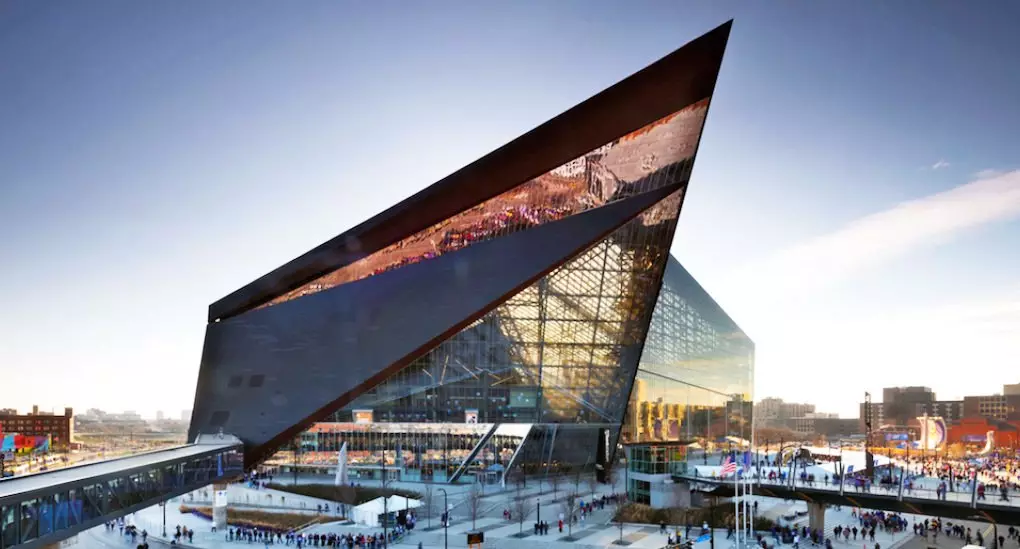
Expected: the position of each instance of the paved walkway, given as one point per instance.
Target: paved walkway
(596, 531)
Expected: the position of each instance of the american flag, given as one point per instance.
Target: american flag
(729, 466)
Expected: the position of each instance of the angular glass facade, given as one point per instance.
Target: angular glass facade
(494, 323)
(538, 385)
(695, 378)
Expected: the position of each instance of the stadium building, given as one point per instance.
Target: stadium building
(522, 315)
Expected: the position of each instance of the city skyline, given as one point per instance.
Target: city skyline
(156, 158)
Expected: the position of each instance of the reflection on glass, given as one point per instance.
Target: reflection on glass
(611, 172)
(694, 379)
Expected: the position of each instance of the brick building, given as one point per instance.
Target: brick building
(60, 429)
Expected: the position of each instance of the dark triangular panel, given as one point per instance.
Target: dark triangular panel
(269, 373)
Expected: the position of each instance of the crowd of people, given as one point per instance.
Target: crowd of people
(996, 476)
(349, 540)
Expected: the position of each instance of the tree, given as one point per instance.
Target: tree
(521, 506)
(430, 502)
(593, 486)
(556, 481)
(474, 503)
(613, 479)
(569, 502)
(619, 523)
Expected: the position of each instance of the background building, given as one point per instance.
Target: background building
(776, 414)
(968, 420)
(836, 428)
(806, 425)
(60, 429)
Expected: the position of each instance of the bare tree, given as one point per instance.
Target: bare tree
(430, 502)
(614, 479)
(569, 502)
(474, 503)
(593, 486)
(556, 481)
(521, 506)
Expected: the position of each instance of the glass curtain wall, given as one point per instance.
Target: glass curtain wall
(694, 382)
(559, 357)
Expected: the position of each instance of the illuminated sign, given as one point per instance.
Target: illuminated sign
(362, 416)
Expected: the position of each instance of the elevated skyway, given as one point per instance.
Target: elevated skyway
(45, 508)
(963, 503)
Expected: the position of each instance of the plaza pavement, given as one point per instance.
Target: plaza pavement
(597, 531)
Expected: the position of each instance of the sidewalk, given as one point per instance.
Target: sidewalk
(596, 532)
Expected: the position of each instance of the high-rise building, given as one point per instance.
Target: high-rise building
(185, 415)
(159, 415)
(497, 321)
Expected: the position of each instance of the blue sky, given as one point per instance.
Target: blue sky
(155, 156)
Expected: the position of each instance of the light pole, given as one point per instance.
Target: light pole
(163, 505)
(446, 519)
(538, 510)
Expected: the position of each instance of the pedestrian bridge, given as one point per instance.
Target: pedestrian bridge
(964, 505)
(45, 508)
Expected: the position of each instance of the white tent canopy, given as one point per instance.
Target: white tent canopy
(368, 513)
(399, 503)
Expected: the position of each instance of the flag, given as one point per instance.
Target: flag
(747, 460)
(728, 467)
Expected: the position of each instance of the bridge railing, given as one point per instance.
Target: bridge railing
(964, 492)
(50, 514)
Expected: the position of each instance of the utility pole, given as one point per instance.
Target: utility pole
(446, 520)
(385, 503)
(869, 458)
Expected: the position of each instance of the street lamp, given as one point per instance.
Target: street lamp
(446, 519)
(163, 505)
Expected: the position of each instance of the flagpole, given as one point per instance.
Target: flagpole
(750, 509)
(743, 498)
(736, 506)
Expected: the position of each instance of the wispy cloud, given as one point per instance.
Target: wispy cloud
(985, 174)
(939, 165)
(877, 238)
